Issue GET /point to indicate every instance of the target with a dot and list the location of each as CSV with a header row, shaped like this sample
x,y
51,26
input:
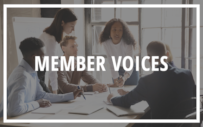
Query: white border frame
x,y
197,6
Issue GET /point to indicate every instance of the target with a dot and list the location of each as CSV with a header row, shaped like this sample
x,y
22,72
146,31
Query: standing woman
x,y
64,22
119,41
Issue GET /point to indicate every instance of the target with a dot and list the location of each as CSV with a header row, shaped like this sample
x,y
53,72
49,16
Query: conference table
x,y
66,107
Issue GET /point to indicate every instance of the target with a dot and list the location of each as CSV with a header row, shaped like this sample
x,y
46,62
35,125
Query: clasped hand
x,y
119,82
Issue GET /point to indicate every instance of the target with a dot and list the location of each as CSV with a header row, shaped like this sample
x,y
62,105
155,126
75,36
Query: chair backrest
x,y
191,115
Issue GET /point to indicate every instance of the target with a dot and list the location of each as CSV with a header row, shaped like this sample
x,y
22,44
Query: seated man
x,y
162,90
69,80
24,93
41,76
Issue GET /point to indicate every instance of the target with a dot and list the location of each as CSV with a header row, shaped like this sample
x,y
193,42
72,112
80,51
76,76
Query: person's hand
x,y
44,103
104,88
110,96
77,93
120,81
126,76
122,92
99,87
55,92
115,84
112,85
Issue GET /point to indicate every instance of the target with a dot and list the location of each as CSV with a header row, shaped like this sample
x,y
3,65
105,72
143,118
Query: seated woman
x,y
68,81
119,41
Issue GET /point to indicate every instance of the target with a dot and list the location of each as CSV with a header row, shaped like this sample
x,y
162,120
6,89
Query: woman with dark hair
x,y
119,41
64,22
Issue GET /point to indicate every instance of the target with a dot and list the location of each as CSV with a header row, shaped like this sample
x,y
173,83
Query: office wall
x,y
17,12
80,27
11,47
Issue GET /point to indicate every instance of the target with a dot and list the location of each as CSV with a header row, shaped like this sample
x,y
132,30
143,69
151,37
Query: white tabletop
x,y
65,107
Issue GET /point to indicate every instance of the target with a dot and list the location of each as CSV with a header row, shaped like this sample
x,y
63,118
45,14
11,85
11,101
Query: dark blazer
x,y
162,91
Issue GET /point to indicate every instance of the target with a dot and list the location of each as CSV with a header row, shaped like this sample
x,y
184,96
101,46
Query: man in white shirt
x,y
24,93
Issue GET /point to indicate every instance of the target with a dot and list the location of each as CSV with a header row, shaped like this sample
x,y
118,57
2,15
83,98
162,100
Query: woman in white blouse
x,y
119,41
64,22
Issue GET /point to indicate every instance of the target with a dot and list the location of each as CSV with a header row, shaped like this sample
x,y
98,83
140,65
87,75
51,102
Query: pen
x,y
82,93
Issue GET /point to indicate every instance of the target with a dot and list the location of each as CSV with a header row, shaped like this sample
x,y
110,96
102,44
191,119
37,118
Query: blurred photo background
x,y
175,27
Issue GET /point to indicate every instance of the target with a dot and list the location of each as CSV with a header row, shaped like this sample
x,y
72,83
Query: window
x,y
164,25
192,27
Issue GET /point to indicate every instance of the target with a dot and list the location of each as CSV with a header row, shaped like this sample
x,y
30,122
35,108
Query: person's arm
x,y
52,75
53,81
41,94
90,80
129,52
17,98
63,83
114,73
136,95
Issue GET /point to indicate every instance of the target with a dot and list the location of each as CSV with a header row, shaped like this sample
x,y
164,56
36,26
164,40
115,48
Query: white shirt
x,y
120,49
23,89
51,48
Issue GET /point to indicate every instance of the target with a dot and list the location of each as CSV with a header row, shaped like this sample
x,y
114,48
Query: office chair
x,y
185,113
192,116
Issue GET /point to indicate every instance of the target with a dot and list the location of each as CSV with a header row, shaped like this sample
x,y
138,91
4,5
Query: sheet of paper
x,y
88,93
47,110
65,106
86,109
108,103
67,116
30,116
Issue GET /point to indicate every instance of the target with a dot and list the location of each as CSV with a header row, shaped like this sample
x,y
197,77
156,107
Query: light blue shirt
x,y
24,89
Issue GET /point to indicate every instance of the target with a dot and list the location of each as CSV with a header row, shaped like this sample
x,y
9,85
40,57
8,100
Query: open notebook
x,y
86,110
138,108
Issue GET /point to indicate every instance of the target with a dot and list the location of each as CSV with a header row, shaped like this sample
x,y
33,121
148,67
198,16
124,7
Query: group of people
x,y
27,89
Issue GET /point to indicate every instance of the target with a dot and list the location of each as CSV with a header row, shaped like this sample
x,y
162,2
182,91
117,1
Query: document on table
x,y
86,110
88,93
29,116
47,110
106,102
138,108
